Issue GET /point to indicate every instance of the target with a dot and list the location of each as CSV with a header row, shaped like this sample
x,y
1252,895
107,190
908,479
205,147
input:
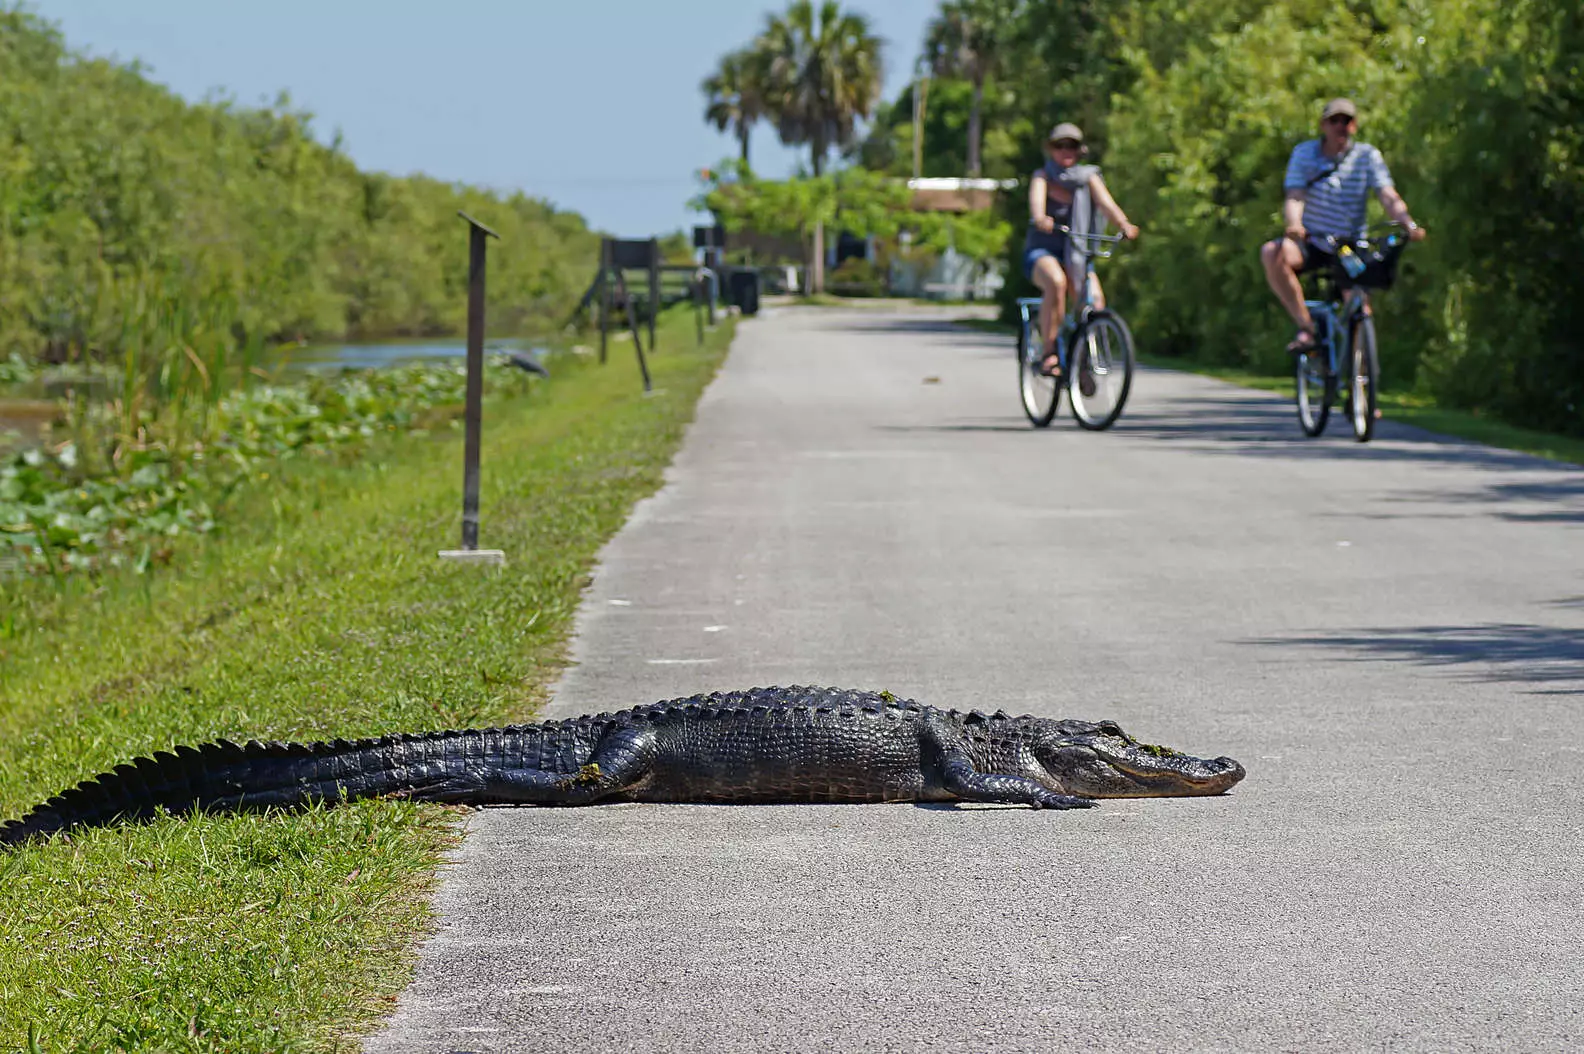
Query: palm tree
x,y
822,69
734,97
966,41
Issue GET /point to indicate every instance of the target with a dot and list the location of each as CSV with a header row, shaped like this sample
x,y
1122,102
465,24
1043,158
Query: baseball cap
x,y
1339,106
1065,130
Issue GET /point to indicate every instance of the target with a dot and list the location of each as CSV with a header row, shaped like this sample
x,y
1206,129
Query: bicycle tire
x,y
1102,349
1315,393
1040,394
1363,377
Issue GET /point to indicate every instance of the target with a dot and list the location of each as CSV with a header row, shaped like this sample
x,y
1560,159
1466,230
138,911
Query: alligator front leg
x,y
969,784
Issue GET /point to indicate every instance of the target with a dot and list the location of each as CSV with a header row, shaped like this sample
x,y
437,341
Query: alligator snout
x,y
1224,773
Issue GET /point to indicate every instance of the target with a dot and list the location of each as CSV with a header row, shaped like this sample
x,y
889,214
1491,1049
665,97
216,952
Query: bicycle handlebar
x,y
1369,235
1092,237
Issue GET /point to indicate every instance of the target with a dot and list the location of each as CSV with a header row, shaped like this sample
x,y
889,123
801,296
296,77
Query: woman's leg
x,y
1052,285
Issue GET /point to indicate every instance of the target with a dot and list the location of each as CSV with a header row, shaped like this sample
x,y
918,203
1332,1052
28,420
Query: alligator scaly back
x,y
797,744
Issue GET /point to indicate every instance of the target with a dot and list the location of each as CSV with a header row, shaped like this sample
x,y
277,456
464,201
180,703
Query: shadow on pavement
x,y
1000,426
1549,657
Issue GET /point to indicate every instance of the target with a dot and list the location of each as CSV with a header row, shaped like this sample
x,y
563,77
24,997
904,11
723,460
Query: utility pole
x,y
920,97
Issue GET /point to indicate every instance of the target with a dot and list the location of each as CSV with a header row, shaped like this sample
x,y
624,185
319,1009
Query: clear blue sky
x,y
591,104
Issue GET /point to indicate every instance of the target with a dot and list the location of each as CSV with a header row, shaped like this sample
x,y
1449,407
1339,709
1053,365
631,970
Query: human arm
x,y
1107,204
1292,215
1038,192
1397,209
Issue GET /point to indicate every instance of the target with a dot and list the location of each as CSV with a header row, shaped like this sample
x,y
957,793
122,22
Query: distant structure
x,y
952,275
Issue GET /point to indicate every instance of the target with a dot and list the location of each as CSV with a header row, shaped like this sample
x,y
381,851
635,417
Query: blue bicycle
x,y
1094,349
1345,348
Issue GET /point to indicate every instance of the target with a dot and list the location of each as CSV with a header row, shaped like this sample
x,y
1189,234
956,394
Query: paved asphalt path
x,y
1390,637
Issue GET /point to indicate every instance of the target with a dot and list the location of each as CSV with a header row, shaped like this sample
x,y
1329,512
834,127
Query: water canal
x,y
27,409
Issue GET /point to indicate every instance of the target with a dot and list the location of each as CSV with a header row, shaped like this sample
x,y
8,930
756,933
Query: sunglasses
x,y
1064,144
1339,118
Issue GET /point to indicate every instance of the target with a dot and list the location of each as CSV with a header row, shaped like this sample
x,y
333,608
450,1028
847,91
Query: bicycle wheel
x,y
1040,393
1102,362
1363,377
1316,390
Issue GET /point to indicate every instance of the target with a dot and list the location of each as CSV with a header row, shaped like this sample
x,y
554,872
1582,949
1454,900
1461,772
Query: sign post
x,y
473,415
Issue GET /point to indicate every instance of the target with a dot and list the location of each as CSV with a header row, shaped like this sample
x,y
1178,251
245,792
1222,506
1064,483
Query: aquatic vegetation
x,y
116,492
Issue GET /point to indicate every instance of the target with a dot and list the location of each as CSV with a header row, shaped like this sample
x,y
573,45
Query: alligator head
x,y
1099,760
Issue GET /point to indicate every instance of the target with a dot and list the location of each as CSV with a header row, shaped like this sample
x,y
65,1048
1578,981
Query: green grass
x,y
1407,407
320,611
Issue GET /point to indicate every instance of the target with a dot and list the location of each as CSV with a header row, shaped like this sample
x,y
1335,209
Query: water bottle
x,y
1350,261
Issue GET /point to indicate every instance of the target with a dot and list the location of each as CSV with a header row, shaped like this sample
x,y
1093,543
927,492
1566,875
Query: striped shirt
x,y
1336,189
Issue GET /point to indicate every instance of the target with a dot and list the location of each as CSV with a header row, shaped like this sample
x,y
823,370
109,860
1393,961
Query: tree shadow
x,y
1550,658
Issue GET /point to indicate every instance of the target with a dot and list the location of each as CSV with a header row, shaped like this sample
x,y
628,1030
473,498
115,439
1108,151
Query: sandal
x,y
1299,345
1050,366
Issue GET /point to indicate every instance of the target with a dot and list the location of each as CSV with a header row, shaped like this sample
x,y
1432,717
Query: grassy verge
x,y
1418,410
323,613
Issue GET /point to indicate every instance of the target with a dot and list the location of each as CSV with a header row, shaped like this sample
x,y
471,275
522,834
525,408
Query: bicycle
x,y
1103,357
1345,311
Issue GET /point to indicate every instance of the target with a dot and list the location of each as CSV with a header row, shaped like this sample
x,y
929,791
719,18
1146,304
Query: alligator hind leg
x,y
621,760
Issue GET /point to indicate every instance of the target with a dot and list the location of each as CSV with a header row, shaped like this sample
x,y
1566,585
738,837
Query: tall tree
x,y
734,95
822,69
967,40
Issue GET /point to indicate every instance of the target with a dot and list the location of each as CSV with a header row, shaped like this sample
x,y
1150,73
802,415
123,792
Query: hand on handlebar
x,y
1045,224
1417,233
1297,233
1130,231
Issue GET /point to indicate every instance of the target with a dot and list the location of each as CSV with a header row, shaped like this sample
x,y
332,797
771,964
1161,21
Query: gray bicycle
x,y
1094,350
1345,350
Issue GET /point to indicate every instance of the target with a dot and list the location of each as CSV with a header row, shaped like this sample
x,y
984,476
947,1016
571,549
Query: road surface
x,y
1390,638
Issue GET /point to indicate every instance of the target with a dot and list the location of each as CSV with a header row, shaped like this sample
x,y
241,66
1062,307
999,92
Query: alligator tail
x,y
224,776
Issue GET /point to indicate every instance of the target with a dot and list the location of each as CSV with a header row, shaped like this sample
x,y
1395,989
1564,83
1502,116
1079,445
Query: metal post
x,y
473,414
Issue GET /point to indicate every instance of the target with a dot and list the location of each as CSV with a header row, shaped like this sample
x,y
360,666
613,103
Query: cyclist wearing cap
x,y
1328,184
1051,195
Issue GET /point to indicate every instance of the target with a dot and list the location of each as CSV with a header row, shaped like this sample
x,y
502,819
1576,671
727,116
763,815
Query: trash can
x,y
745,290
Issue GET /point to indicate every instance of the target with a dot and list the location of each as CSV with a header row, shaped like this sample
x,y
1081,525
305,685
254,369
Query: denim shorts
x,y
1032,254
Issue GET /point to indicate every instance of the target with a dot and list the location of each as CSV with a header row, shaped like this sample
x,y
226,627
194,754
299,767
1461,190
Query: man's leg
x,y
1283,259
1052,285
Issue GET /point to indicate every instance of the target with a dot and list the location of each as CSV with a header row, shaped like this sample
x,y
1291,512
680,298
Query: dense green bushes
x,y
121,204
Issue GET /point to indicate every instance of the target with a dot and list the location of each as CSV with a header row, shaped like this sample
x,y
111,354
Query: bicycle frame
x,y
1335,317
1028,307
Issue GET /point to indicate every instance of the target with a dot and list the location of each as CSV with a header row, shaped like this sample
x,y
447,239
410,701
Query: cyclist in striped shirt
x,y
1328,184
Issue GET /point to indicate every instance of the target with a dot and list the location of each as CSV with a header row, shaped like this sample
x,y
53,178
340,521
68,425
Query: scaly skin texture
x,y
761,745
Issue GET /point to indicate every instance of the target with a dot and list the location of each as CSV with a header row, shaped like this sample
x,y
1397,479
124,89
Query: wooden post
x,y
604,295
817,279
473,414
632,324
654,288
698,304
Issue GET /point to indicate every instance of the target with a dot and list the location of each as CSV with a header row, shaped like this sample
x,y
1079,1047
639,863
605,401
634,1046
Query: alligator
x,y
762,745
